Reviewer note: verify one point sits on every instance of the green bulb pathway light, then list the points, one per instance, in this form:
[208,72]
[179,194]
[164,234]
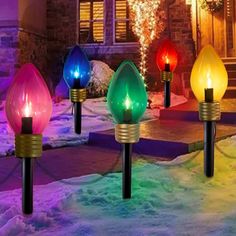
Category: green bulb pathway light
[127,101]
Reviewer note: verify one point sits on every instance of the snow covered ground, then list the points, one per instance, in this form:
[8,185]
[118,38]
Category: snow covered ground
[60,131]
[172,198]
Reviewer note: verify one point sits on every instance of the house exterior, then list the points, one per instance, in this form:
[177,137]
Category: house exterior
[42,32]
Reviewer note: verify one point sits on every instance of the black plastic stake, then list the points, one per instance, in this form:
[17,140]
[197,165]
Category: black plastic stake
[209,148]
[27,185]
[209,138]
[77,117]
[167,94]
[127,165]
[27,171]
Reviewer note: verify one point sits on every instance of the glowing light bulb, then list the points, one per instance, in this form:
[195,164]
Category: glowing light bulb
[77,69]
[166,56]
[27,109]
[76,74]
[127,97]
[208,72]
[127,102]
[209,82]
[167,60]
[28,98]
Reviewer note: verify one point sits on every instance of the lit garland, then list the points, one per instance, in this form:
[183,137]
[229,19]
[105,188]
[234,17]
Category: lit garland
[212,6]
[148,24]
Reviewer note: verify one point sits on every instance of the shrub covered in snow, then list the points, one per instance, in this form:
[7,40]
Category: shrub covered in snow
[100,79]
[101,75]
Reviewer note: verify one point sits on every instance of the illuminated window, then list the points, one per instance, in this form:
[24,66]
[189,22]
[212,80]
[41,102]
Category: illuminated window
[91,21]
[123,24]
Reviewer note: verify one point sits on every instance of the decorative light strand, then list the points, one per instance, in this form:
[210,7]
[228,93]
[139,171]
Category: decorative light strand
[148,23]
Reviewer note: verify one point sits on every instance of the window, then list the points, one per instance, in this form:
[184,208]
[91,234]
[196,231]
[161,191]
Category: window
[123,24]
[91,21]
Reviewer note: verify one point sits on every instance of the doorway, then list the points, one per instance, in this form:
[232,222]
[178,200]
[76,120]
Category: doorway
[216,27]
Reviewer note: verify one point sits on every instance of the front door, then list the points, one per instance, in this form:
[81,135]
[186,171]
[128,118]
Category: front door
[217,27]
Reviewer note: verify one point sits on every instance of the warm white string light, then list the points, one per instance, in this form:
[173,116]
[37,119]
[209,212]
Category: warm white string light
[147,25]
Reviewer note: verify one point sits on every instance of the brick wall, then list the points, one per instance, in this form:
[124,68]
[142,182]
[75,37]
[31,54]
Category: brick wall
[181,33]
[179,30]
[33,48]
[61,34]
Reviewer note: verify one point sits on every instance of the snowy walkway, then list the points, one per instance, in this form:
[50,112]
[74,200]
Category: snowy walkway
[168,199]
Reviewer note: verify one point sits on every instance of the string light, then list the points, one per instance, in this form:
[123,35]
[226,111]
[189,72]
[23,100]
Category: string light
[148,24]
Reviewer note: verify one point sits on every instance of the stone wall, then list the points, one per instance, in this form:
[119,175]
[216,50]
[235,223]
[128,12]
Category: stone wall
[17,47]
[8,57]
[22,38]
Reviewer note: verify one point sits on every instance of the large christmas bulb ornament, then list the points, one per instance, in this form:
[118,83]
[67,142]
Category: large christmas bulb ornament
[127,101]
[166,60]
[77,75]
[209,80]
[28,110]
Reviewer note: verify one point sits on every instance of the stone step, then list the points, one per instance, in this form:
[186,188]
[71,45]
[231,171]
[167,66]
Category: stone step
[189,111]
[229,94]
[229,60]
[231,73]
[164,138]
[230,66]
[232,82]
[54,161]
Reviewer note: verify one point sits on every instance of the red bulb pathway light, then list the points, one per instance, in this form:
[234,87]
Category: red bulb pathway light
[166,60]
[28,110]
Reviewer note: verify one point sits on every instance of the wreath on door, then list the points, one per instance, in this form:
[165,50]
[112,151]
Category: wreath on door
[212,5]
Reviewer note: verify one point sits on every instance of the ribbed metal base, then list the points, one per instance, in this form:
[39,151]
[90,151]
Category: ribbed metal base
[166,76]
[28,145]
[209,111]
[78,95]
[127,133]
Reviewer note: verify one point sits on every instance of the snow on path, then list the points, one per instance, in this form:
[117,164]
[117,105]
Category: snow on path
[60,131]
[167,200]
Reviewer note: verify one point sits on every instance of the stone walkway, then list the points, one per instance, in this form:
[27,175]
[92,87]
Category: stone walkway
[189,111]
[60,163]
[63,163]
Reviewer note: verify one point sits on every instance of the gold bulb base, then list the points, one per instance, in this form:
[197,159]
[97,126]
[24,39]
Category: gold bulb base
[127,133]
[166,76]
[209,111]
[78,95]
[28,145]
